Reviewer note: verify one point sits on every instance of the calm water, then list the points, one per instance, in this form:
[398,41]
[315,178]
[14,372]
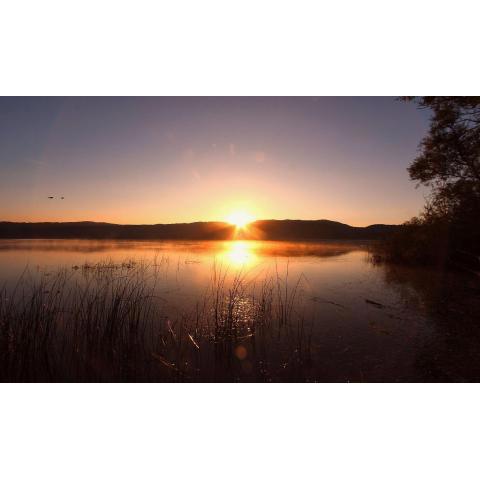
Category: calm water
[368,322]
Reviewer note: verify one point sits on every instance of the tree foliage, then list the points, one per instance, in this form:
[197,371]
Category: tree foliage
[448,230]
[449,157]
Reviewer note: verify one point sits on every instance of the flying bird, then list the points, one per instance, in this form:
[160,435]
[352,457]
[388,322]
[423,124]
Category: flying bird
[62,198]
[50,197]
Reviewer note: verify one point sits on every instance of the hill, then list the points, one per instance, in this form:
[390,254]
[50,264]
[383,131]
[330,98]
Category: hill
[308,230]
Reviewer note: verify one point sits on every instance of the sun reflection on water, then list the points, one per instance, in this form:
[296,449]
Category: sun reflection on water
[239,253]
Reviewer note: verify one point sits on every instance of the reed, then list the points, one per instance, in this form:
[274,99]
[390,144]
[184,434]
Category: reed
[114,322]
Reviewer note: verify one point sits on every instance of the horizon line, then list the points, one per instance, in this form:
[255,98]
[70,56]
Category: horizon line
[197,221]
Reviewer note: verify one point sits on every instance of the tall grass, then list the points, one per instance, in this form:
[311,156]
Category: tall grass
[112,322]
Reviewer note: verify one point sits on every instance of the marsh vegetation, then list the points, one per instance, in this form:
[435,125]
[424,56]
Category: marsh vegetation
[111,324]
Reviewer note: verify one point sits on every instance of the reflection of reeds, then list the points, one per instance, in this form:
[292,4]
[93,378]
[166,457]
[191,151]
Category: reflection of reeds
[107,322]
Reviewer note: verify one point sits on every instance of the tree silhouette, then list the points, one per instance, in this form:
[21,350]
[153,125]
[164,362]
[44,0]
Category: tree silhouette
[448,230]
[449,158]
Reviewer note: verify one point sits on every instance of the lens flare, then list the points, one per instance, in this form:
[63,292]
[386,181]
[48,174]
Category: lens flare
[240,218]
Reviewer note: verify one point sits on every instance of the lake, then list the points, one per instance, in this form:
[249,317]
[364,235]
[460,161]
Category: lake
[232,311]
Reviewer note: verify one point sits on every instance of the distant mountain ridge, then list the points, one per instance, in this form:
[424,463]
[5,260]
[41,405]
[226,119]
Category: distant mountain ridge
[307,230]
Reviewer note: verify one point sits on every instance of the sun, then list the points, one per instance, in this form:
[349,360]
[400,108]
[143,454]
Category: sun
[240,218]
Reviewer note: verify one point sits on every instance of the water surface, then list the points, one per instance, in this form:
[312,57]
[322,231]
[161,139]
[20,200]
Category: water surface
[364,322]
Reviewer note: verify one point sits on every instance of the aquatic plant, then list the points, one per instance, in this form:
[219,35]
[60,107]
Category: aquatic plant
[112,322]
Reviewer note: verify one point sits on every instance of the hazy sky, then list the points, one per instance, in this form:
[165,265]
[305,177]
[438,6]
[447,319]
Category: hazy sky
[161,160]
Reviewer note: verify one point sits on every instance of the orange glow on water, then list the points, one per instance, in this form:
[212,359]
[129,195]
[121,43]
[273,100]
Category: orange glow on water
[240,253]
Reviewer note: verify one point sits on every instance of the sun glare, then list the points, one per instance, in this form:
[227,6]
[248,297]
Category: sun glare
[240,219]
[239,254]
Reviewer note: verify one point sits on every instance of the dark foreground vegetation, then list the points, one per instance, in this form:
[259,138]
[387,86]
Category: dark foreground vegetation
[111,324]
[447,233]
[438,241]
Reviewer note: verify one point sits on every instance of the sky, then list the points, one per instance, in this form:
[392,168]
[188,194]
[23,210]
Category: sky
[182,159]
